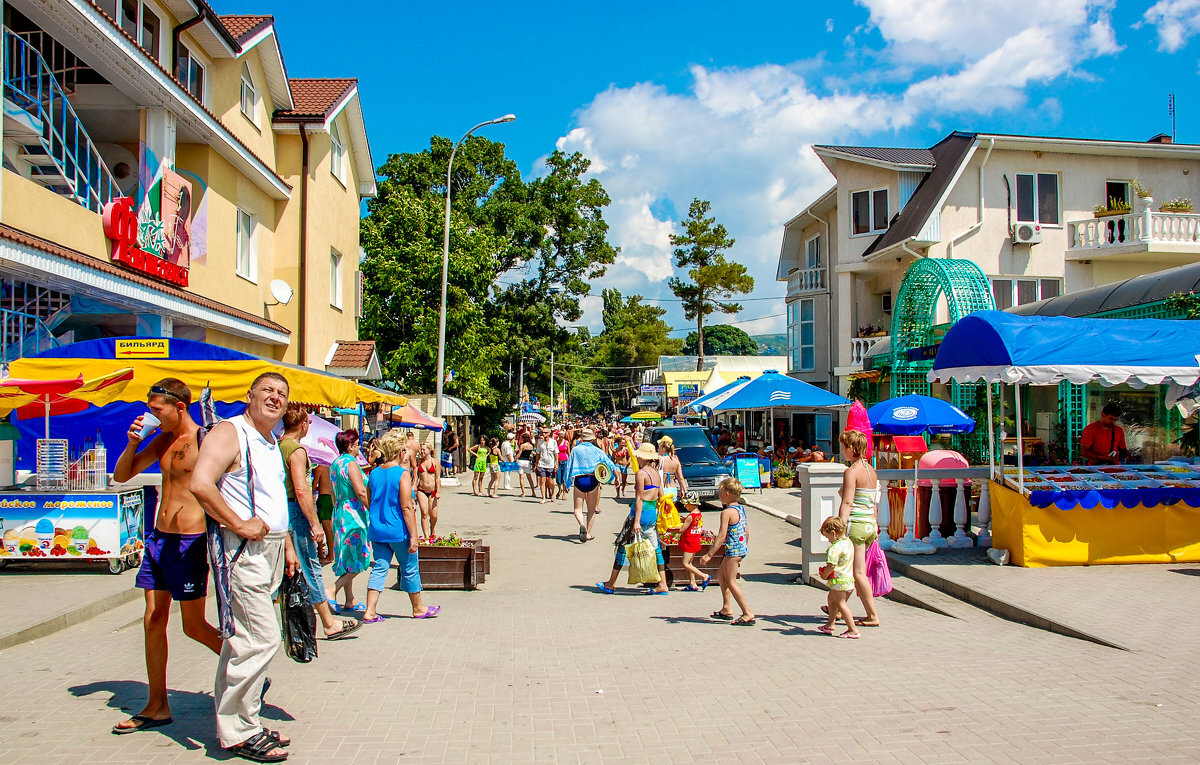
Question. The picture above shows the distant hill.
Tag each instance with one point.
(771, 345)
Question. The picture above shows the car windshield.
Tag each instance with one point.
(691, 445)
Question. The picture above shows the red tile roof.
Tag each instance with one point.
(314, 98)
(352, 354)
(46, 246)
(242, 28)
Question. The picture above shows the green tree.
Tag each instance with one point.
(722, 340)
(633, 339)
(712, 280)
(521, 256)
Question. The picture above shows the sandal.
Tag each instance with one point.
(704, 584)
(348, 627)
(742, 621)
(430, 612)
(850, 635)
(258, 748)
(602, 587)
(690, 588)
(278, 737)
(825, 629)
(722, 616)
(143, 723)
(378, 618)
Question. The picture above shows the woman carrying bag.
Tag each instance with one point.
(639, 526)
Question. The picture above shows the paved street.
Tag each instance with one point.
(538, 667)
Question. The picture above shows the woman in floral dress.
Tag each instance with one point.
(352, 551)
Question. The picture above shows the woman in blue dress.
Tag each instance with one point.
(352, 550)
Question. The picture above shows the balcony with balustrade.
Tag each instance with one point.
(1161, 236)
(805, 281)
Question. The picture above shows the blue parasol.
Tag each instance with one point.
(914, 414)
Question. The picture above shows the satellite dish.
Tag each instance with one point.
(281, 291)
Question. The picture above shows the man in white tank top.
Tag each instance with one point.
(222, 484)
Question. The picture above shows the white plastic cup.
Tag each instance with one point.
(149, 423)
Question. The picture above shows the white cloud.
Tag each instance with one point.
(741, 137)
(828, 25)
(1176, 20)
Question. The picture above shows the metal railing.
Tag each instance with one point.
(31, 85)
(23, 334)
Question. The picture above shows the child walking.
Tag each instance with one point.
(690, 541)
(838, 572)
(735, 537)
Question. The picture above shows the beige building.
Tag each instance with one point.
(1020, 207)
(163, 176)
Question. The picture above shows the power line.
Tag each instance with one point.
(739, 321)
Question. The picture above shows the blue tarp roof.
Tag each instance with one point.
(995, 346)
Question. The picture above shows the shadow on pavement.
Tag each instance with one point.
(1186, 571)
(192, 712)
(572, 538)
(793, 624)
(622, 590)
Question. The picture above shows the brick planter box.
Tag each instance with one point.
(677, 573)
(454, 568)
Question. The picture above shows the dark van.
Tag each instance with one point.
(702, 468)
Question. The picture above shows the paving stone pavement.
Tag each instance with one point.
(538, 667)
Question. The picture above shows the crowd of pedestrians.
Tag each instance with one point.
(249, 503)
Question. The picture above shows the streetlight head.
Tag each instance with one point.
(505, 118)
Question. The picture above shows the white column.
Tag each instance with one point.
(985, 515)
(909, 544)
(820, 499)
(960, 538)
(935, 537)
(160, 134)
(883, 511)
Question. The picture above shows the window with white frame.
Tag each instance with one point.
(337, 153)
(335, 279)
(801, 315)
(246, 264)
(869, 211)
(1009, 291)
(139, 22)
(190, 72)
(1037, 198)
(812, 252)
(249, 95)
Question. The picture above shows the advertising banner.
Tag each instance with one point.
(748, 473)
(71, 525)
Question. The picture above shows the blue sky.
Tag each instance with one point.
(722, 100)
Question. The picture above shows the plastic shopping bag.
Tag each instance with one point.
(668, 516)
(299, 621)
(643, 564)
(877, 570)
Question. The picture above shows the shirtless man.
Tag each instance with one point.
(175, 562)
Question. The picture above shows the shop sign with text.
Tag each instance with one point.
(121, 226)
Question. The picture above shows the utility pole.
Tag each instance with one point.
(551, 387)
(520, 388)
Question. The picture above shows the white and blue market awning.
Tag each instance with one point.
(992, 346)
(698, 405)
(770, 390)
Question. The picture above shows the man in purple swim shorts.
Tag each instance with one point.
(175, 560)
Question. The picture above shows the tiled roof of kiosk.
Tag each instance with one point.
(50, 248)
(242, 28)
(352, 354)
(315, 97)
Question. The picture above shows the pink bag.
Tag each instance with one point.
(877, 570)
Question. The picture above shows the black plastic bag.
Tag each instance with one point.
(299, 621)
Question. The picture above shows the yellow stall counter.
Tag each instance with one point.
(1049, 536)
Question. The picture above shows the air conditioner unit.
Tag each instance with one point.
(1027, 233)
(885, 302)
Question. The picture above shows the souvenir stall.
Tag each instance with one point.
(72, 406)
(1080, 515)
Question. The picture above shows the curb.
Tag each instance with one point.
(69, 618)
(993, 605)
(792, 519)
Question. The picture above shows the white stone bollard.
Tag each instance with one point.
(820, 491)
(985, 515)
(935, 537)
(885, 540)
(909, 544)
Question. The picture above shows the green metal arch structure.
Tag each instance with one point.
(965, 288)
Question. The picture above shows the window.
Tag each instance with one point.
(1037, 198)
(150, 32)
(802, 335)
(249, 95)
(1008, 292)
(246, 264)
(337, 153)
(190, 73)
(869, 211)
(812, 252)
(335, 279)
(138, 21)
(129, 17)
(1116, 191)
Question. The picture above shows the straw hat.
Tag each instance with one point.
(647, 452)
(587, 434)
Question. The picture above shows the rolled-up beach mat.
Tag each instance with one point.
(603, 473)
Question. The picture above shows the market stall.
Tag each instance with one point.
(1078, 515)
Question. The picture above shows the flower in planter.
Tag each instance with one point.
(451, 541)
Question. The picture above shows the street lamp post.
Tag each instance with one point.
(439, 406)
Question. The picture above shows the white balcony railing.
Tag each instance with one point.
(1144, 228)
(860, 349)
(806, 280)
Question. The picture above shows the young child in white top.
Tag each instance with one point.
(838, 572)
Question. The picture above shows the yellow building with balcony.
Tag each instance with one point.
(163, 176)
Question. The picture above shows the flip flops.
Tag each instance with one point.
(583, 534)
(378, 618)
(348, 628)
(704, 584)
(850, 635)
(722, 616)
(690, 588)
(144, 723)
(430, 612)
(602, 587)
(825, 629)
(742, 621)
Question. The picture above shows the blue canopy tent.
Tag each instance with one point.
(698, 405)
(991, 346)
(768, 392)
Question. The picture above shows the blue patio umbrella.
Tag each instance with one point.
(914, 414)
(772, 390)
